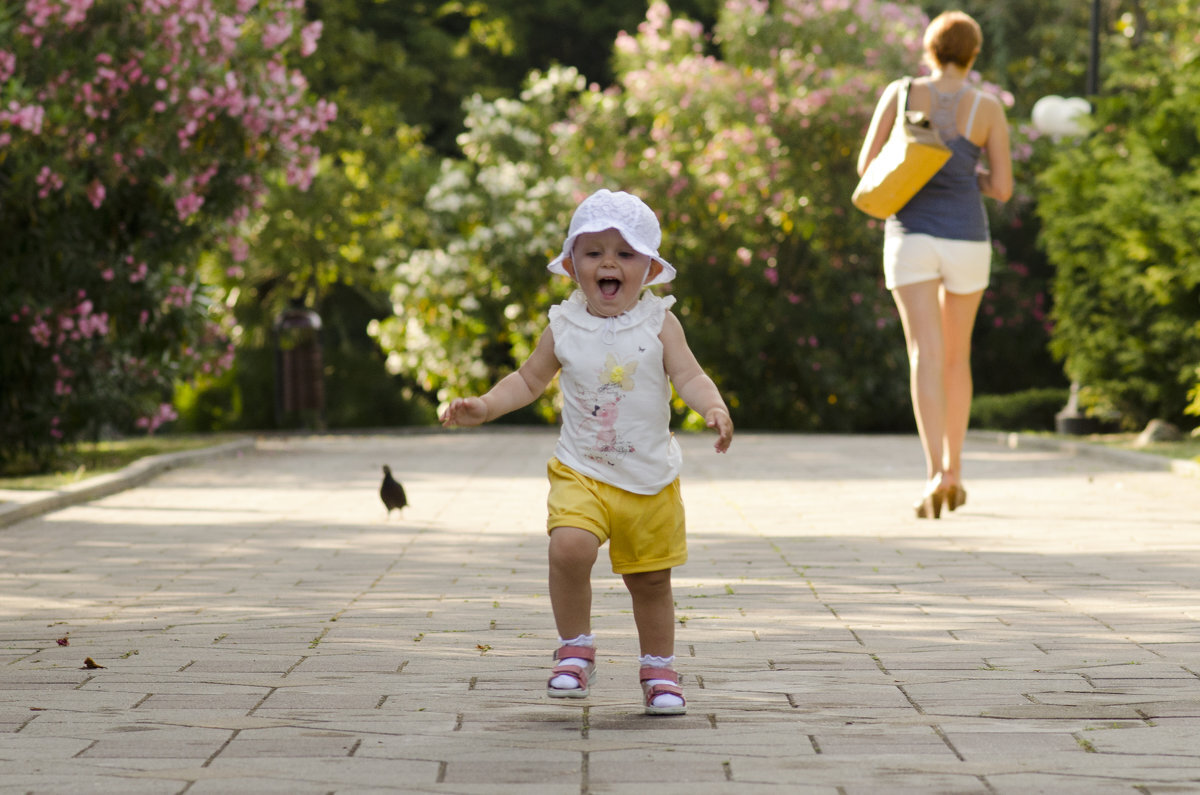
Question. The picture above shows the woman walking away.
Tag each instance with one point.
(937, 248)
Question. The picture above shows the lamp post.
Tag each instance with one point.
(1093, 75)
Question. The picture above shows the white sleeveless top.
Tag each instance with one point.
(616, 395)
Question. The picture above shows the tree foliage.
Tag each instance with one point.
(748, 158)
(1121, 219)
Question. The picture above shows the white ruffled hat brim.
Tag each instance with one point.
(627, 214)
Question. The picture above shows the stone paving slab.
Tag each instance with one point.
(264, 627)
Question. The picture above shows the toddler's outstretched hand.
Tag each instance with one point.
(719, 420)
(465, 412)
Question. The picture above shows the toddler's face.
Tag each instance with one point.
(609, 271)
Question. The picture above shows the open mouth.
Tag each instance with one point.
(609, 287)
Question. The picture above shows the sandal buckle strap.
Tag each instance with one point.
(579, 652)
(658, 673)
(657, 690)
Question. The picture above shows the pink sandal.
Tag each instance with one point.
(651, 691)
(578, 673)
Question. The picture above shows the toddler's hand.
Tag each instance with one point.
(465, 412)
(720, 421)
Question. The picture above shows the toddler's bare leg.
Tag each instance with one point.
(572, 554)
(653, 611)
(654, 614)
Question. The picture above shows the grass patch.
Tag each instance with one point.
(1187, 449)
(89, 459)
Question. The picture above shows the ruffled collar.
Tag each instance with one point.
(574, 309)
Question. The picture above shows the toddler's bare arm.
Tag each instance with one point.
(512, 392)
(693, 384)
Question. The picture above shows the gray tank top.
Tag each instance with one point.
(950, 205)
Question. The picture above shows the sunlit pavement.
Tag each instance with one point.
(263, 627)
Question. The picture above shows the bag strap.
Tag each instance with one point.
(902, 102)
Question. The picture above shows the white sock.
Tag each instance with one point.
(562, 681)
(662, 699)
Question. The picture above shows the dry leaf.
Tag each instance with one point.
(63, 641)
(90, 663)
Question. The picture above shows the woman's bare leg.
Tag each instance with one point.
(921, 315)
(958, 322)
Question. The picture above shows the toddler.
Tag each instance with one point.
(615, 472)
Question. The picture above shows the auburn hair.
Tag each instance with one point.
(952, 37)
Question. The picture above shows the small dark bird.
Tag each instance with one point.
(391, 492)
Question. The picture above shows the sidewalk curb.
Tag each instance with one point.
(1149, 461)
(135, 474)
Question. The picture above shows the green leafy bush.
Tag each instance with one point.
(1121, 220)
(1028, 410)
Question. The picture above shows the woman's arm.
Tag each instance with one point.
(693, 384)
(512, 392)
(881, 126)
(997, 180)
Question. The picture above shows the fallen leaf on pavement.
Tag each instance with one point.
(90, 663)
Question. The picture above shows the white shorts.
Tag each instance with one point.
(962, 265)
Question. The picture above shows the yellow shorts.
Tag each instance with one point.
(646, 532)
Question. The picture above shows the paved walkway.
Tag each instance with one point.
(264, 628)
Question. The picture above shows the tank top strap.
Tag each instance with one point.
(974, 107)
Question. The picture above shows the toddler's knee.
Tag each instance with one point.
(570, 546)
(649, 580)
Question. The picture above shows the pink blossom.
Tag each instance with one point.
(153, 422)
(96, 193)
(40, 331)
(239, 250)
(188, 205)
(309, 35)
(8, 65)
(275, 33)
(27, 117)
(48, 182)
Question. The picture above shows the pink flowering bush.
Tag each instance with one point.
(132, 135)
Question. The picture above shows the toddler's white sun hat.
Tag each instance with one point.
(625, 213)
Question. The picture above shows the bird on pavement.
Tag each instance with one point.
(391, 492)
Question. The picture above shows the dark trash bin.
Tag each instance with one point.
(299, 385)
